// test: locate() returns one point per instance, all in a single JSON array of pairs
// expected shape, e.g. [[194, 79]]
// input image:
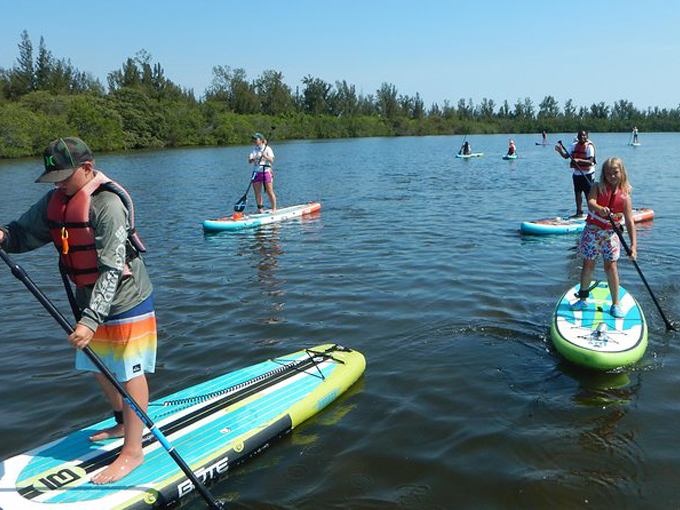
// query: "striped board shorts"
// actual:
[[126, 343]]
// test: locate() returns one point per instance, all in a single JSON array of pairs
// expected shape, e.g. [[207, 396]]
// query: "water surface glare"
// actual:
[[415, 260]]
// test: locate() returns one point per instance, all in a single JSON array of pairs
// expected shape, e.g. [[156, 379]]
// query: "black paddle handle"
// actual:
[[22, 276]]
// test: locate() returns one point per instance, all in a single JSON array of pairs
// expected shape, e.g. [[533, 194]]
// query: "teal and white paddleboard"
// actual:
[[472, 155], [213, 426], [241, 221], [593, 337], [510, 156]]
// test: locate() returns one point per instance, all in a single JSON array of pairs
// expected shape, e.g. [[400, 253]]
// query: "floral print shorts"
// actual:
[[595, 240]]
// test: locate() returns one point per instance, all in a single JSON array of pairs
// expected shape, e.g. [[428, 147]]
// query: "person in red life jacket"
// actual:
[[582, 155], [90, 220], [512, 149], [262, 158], [609, 196]]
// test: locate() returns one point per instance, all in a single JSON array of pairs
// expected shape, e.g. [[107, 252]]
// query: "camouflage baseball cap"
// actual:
[[62, 157]]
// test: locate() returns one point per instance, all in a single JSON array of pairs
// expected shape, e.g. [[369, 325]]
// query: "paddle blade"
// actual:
[[240, 206]]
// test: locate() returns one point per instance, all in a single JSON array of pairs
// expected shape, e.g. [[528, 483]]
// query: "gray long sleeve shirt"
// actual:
[[111, 294]]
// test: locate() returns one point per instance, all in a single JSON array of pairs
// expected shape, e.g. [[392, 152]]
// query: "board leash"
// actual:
[[290, 366]]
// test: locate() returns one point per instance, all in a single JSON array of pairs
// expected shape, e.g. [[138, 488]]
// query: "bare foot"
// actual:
[[110, 433], [120, 467]]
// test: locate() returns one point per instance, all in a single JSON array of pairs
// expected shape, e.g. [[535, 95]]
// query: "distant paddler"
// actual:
[[635, 135], [582, 155], [512, 150], [262, 158]]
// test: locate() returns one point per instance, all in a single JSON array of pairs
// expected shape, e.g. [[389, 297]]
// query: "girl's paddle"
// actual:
[[21, 275], [669, 324], [241, 204]]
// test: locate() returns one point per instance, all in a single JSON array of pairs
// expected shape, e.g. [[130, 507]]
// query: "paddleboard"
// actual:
[[214, 426], [510, 156], [543, 143], [635, 144], [241, 221], [567, 224], [595, 339], [472, 155]]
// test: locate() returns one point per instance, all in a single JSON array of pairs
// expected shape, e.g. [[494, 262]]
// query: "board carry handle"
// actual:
[[22, 276], [669, 324]]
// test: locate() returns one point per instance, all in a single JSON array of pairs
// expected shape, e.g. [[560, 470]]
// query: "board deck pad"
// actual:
[[213, 426], [595, 338], [239, 222], [567, 224]]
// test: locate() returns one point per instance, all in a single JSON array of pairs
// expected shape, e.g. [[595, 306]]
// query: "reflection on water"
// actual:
[[266, 249]]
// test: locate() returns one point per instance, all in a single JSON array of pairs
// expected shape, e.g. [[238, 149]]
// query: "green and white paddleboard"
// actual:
[[593, 337], [213, 426]]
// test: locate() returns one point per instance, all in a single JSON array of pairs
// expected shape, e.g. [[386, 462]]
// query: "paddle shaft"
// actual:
[[669, 324], [21, 275], [244, 198]]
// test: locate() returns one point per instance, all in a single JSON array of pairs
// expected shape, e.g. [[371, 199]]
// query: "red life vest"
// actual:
[[511, 149], [73, 235], [616, 202], [580, 151]]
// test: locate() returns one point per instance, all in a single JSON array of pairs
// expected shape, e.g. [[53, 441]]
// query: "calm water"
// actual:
[[416, 261]]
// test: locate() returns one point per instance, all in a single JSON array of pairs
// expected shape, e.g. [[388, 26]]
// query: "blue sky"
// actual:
[[593, 51]]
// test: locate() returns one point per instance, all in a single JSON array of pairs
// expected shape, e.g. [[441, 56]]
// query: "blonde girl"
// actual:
[[608, 198]]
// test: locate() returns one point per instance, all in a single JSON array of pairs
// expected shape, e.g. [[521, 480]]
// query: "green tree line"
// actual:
[[42, 97]]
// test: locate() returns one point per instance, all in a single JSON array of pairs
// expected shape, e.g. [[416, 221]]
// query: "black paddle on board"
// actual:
[[241, 204], [22, 276]]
